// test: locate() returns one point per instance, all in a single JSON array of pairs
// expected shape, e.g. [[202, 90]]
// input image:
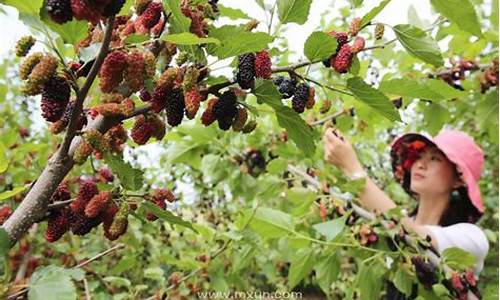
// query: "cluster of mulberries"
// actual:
[[367, 235], [341, 60], [37, 69], [55, 97], [490, 77], [60, 125], [24, 45], [147, 126], [159, 198], [303, 94], [88, 189], [113, 67], [460, 285], [62, 11], [5, 212], [252, 65], [197, 14]]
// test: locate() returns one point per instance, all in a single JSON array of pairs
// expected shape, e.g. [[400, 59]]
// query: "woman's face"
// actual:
[[432, 173]]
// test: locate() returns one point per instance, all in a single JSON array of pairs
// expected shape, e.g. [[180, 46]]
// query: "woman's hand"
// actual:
[[340, 152]]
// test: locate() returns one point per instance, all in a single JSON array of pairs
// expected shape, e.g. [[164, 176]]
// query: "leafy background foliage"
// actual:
[[268, 226]]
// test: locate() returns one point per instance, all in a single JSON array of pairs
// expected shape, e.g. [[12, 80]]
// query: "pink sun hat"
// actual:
[[458, 147]]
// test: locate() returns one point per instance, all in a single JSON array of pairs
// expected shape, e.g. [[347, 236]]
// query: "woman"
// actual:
[[441, 173]]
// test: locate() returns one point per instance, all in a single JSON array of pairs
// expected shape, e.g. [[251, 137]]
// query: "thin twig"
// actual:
[[75, 114], [330, 117], [86, 262], [87, 291]]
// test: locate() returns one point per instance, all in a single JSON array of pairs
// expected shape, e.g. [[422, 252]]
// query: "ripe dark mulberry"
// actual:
[[55, 98], [225, 110], [175, 107], [59, 10], [426, 272], [300, 97], [113, 8], [81, 225], [112, 69], [24, 45], [286, 87], [246, 72], [342, 61], [263, 65], [57, 225]]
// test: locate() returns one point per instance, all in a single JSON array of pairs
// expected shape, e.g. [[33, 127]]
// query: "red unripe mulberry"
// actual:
[[5, 212], [358, 45], [112, 69], [88, 189], [57, 225], [342, 61], [263, 65], [192, 101], [164, 194], [83, 10], [98, 203], [208, 116], [135, 71], [150, 16]]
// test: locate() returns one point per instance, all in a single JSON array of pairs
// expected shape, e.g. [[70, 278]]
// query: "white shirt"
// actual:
[[467, 236]]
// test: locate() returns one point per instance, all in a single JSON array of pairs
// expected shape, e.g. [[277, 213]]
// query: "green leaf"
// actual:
[[212, 168], [4, 160], [300, 133], [444, 89], [331, 229], [232, 13], [235, 40], [461, 12], [131, 178], [436, 116], [327, 271], [7, 194], [457, 258], [419, 44], [188, 38], [319, 46], [374, 12], [487, 115], [403, 281], [136, 38], [30, 7], [409, 88], [53, 281], [295, 11], [300, 266], [4, 243], [167, 215], [271, 223], [178, 21], [373, 98], [368, 281]]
